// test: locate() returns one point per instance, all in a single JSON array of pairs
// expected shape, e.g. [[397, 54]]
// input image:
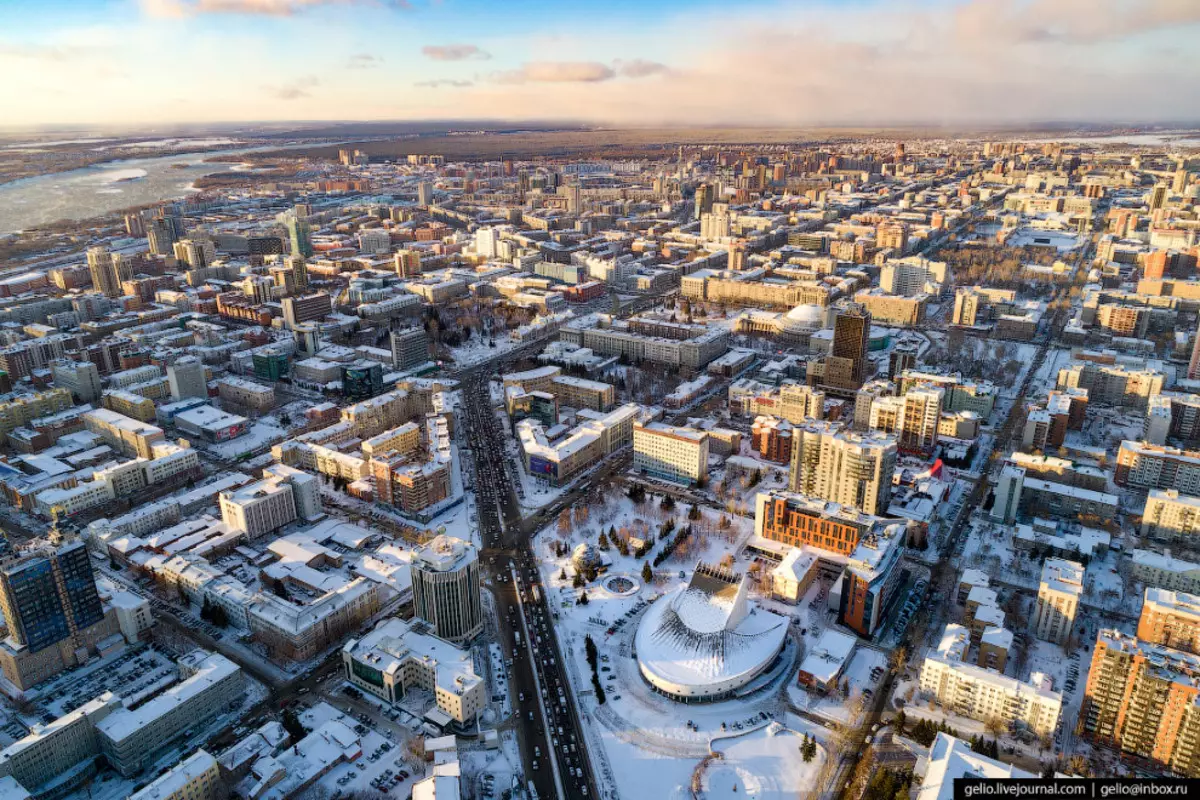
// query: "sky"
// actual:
[[609, 62]]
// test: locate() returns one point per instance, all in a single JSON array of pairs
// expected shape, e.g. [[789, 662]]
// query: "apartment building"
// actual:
[[984, 694], [835, 464], [871, 577], [1059, 590], [669, 452], [1171, 619], [1147, 466], [1142, 699], [913, 417], [1113, 384], [1171, 517]]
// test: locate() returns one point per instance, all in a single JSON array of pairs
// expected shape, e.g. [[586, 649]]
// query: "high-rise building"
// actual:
[[299, 268], [832, 463], [1141, 698], [425, 193], [186, 378], [50, 597], [104, 272], [913, 417], [407, 263], [704, 199], [162, 232], [445, 581], [135, 224], [1193, 370], [308, 308], [196, 253], [851, 337], [1171, 619], [1058, 596], [410, 348], [299, 233], [80, 378], [1158, 196]]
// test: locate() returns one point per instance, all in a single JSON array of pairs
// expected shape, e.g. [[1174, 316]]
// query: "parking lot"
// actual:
[[132, 674]]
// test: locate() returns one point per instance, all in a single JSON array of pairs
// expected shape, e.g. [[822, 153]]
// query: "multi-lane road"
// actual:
[[552, 741]]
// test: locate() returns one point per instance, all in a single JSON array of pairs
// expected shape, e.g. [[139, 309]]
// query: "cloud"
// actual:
[[439, 83], [364, 61], [296, 89], [270, 8], [639, 68], [455, 52], [1069, 21], [557, 72]]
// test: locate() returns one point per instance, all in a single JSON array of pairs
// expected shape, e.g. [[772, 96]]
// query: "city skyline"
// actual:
[[942, 63]]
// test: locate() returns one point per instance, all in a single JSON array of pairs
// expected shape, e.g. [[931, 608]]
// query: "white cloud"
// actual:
[[455, 52]]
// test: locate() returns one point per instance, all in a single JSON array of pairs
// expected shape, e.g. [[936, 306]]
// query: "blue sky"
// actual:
[[783, 62]]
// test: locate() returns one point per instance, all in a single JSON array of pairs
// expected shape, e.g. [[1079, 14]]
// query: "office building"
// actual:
[[846, 367], [305, 308], [832, 463], [259, 508], [299, 236], [871, 578], [410, 348], [670, 453], [80, 378], [1142, 700], [53, 613], [130, 739], [197, 777], [187, 378], [583, 447], [1059, 591], [445, 581], [398, 656]]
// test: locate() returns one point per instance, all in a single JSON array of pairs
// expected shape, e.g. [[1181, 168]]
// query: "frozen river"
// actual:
[[105, 188]]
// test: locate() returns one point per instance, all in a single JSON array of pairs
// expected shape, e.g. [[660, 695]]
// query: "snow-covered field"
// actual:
[[764, 765]]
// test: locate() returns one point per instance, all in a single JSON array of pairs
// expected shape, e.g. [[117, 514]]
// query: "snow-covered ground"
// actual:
[[641, 742], [764, 765]]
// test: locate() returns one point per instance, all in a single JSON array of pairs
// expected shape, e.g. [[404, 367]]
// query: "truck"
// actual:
[[537, 593]]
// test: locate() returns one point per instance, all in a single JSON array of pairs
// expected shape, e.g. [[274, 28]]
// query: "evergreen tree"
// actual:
[[647, 573]]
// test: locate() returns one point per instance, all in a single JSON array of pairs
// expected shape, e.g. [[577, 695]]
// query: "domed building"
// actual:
[[797, 325], [704, 642]]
